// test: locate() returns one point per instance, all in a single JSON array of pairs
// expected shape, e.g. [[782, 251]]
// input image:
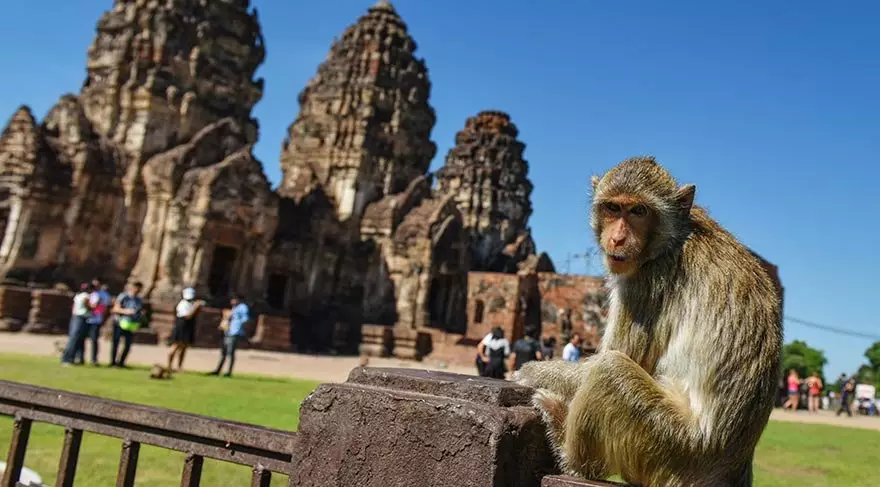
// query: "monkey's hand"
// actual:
[[556, 376]]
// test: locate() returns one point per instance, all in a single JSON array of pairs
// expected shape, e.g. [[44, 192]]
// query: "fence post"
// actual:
[[402, 427]]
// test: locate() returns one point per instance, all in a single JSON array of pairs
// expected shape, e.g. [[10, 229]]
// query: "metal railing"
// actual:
[[265, 450]]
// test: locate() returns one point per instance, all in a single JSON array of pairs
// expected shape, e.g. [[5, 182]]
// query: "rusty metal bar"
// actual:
[[262, 477], [128, 460], [69, 457], [199, 435], [21, 432], [192, 471]]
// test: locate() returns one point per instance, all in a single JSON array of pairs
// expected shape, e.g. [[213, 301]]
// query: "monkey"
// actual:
[[158, 371], [683, 383]]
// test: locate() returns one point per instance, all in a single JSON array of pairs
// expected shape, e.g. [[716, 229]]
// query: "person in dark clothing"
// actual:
[[846, 394], [493, 350], [526, 349], [128, 313], [548, 348]]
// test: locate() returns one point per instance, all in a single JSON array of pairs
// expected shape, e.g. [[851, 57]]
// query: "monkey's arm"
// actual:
[[622, 419], [558, 376]]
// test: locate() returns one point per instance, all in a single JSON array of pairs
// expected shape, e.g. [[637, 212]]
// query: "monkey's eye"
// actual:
[[611, 207], [639, 210]]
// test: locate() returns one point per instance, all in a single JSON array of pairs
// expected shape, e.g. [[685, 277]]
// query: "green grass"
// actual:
[[789, 454], [265, 401]]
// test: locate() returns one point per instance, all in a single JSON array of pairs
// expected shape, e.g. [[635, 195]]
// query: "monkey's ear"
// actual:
[[685, 196], [594, 182]]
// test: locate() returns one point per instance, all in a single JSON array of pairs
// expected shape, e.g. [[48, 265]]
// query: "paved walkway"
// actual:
[[827, 417], [321, 368]]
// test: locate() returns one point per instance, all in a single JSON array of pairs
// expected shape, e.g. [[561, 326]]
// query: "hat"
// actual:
[[189, 293]]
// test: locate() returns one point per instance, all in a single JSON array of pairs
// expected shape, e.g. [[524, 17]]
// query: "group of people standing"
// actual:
[[814, 387], [495, 350], [93, 305]]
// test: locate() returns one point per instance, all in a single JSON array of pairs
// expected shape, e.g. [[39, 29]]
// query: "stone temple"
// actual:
[[147, 174]]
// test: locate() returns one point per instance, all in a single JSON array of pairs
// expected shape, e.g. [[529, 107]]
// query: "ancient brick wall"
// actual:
[[493, 300], [50, 312], [15, 307], [581, 296]]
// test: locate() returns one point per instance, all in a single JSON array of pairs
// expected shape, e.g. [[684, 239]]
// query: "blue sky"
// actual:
[[770, 108]]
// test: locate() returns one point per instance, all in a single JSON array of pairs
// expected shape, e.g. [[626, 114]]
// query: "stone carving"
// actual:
[[148, 174], [487, 175], [149, 168], [363, 131]]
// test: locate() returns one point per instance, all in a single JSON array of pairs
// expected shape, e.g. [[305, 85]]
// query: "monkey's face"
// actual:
[[624, 226]]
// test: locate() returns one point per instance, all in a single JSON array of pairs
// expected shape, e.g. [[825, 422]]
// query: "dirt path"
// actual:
[[320, 368]]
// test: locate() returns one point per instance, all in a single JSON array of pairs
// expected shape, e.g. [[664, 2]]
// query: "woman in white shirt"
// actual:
[[493, 350], [184, 333]]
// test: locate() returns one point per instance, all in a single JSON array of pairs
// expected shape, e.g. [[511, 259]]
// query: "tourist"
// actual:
[[548, 348], [184, 332], [572, 350], [846, 394], [239, 314], [78, 325], [814, 384], [794, 383], [100, 301], [493, 349], [526, 349], [128, 314]]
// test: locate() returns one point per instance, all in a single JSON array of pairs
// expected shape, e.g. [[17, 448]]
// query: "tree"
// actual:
[[799, 356], [873, 356]]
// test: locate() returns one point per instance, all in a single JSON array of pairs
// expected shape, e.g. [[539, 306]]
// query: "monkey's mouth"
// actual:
[[617, 258]]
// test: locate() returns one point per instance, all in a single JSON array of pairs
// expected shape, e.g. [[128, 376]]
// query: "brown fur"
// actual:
[[684, 382], [159, 372]]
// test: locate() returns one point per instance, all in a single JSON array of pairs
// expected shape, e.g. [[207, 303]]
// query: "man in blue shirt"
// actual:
[[239, 315]]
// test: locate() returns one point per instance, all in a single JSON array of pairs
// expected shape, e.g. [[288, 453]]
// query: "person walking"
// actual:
[[78, 329], [128, 313], [814, 385], [526, 349], [239, 315], [184, 332], [846, 395]]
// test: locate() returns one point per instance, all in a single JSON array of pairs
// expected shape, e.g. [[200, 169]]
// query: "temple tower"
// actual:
[[158, 72], [486, 174], [363, 130]]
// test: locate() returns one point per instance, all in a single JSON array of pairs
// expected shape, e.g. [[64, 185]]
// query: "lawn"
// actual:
[[789, 455], [265, 401]]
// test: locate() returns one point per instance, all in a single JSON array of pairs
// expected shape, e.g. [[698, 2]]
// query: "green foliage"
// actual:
[[873, 356], [805, 360]]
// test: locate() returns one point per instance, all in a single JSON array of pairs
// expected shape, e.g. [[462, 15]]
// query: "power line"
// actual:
[[832, 329]]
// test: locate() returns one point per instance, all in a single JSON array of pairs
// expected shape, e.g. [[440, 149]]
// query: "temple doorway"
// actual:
[[222, 266], [276, 291]]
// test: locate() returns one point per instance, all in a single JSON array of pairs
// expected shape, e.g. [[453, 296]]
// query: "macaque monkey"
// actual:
[[159, 372], [684, 381]]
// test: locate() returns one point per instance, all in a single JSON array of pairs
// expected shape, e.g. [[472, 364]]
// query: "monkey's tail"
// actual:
[[554, 409]]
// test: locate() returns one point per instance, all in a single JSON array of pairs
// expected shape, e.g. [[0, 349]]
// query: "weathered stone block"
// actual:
[[15, 307], [50, 312], [399, 427]]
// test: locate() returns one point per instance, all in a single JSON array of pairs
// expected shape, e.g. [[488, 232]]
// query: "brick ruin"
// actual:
[[147, 174]]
